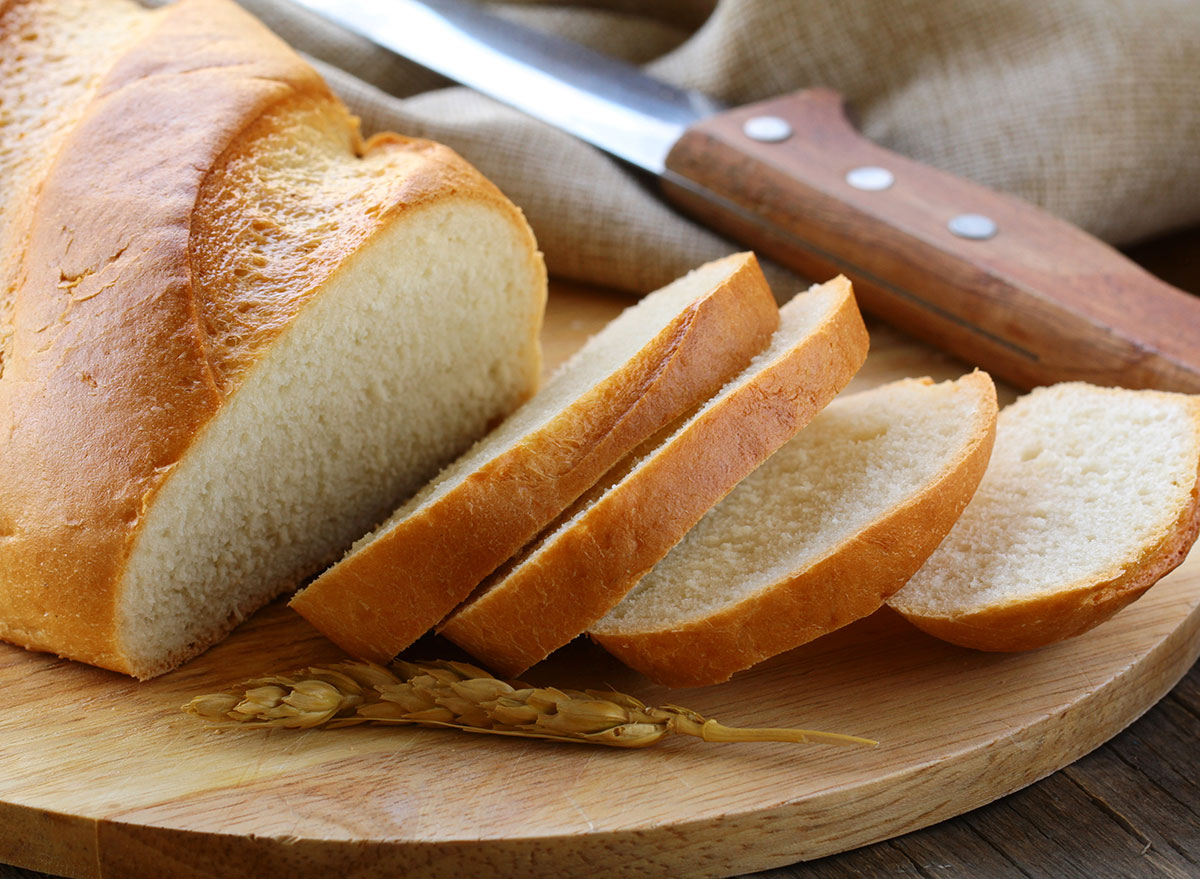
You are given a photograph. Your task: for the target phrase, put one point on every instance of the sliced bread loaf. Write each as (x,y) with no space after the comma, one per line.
(233,335)
(1091,497)
(835,522)
(575,573)
(655,361)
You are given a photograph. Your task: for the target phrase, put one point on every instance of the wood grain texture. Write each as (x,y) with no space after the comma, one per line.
(100,775)
(1040,302)
(1128,811)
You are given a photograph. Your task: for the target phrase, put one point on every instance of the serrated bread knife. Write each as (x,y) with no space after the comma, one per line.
(983,275)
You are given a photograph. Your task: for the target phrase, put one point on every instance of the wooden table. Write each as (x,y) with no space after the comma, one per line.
(1130,809)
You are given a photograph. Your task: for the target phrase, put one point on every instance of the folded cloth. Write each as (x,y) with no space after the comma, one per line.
(1091,110)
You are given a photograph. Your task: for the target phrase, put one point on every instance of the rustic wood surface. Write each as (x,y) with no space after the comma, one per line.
(1040,302)
(958,730)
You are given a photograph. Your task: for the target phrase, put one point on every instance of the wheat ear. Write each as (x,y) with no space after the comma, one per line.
(461,696)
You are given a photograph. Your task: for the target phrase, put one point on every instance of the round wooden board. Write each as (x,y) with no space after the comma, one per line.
(100,775)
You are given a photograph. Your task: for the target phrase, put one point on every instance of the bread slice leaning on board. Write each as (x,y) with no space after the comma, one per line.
(818,536)
(234,335)
(582,566)
(1092,496)
(658,359)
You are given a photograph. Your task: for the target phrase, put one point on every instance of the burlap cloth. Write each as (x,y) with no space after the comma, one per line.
(1090,108)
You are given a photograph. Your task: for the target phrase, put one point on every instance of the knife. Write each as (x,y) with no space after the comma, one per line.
(978,273)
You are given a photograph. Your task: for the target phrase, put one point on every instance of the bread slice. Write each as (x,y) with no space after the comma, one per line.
(656,360)
(1092,496)
(578,571)
(835,522)
(235,335)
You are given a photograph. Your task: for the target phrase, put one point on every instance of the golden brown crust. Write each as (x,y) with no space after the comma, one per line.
(253,272)
(1045,619)
(113,374)
(842,587)
(386,594)
(51,61)
(583,571)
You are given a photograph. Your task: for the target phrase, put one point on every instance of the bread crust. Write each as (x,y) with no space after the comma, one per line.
(47,58)
(1072,610)
(386,594)
(583,571)
(113,374)
(843,586)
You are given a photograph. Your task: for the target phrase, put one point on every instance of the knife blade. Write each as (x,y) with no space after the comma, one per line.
(981,274)
(591,95)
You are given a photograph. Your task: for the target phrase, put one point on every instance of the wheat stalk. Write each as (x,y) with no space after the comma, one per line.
(461,696)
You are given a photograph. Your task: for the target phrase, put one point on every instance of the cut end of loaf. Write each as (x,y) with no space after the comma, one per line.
(374,384)
(1090,498)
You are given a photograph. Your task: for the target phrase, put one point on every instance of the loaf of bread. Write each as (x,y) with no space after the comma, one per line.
(819,536)
(654,362)
(568,579)
(1091,497)
(232,334)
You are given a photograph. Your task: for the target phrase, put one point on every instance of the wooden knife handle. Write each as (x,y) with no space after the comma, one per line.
(1038,302)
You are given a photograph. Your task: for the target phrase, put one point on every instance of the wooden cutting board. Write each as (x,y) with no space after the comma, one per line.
(102,776)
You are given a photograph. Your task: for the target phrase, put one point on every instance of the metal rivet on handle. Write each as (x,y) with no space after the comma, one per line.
(974,226)
(768,129)
(872,178)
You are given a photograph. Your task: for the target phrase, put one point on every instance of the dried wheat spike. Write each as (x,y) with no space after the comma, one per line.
(461,696)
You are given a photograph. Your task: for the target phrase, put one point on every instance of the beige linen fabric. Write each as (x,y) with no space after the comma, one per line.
(1090,109)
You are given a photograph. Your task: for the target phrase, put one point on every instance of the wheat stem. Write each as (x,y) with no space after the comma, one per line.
(461,696)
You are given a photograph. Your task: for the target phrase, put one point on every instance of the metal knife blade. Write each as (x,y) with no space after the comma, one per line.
(593,96)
